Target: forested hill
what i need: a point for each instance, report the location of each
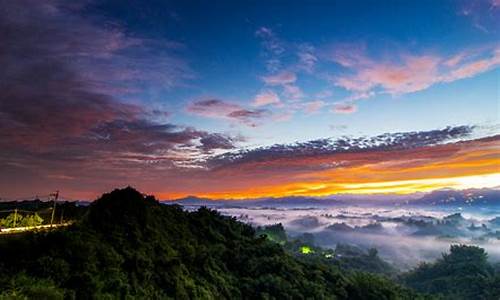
(130, 246)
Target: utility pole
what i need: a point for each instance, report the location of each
(55, 195)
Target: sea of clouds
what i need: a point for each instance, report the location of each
(404, 236)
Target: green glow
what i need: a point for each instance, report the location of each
(306, 250)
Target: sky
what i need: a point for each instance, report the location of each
(245, 99)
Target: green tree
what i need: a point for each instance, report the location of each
(463, 273)
(12, 220)
(31, 220)
(24, 287)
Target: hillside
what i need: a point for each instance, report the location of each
(130, 246)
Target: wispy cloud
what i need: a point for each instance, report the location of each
(307, 58)
(472, 68)
(293, 92)
(384, 142)
(219, 109)
(344, 108)
(62, 110)
(407, 73)
(314, 106)
(266, 97)
(284, 75)
(392, 162)
(483, 14)
(282, 78)
(273, 46)
(210, 142)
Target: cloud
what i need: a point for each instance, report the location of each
(404, 235)
(411, 75)
(269, 40)
(145, 139)
(314, 106)
(472, 68)
(62, 111)
(273, 47)
(293, 92)
(307, 58)
(266, 97)
(215, 108)
(53, 33)
(455, 60)
(63, 75)
(213, 141)
(407, 73)
(384, 142)
(344, 108)
(282, 78)
(324, 94)
(389, 163)
(349, 55)
(482, 14)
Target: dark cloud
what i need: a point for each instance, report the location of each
(387, 141)
(216, 141)
(141, 136)
(243, 113)
(63, 82)
(219, 109)
(345, 108)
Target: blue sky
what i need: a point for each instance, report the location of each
(227, 57)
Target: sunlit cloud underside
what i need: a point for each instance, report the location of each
(461, 165)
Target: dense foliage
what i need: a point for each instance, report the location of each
(463, 273)
(130, 246)
(346, 257)
(18, 220)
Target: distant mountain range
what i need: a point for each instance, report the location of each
(444, 197)
(263, 202)
(469, 197)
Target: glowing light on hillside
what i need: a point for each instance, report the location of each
(306, 250)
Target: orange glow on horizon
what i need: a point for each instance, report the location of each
(472, 164)
(389, 187)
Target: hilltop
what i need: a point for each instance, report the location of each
(129, 245)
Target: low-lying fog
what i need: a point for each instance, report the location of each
(403, 236)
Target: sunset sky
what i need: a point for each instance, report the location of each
(246, 99)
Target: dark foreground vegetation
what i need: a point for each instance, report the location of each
(130, 246)
(37, 212)
(463, 273)
(345, 257)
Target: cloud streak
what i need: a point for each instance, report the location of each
(344, 108)
(406, 73)
(388, 163)
(388, 141)
(266, 97)
(273, 47)
(219, 109)
(282, 78)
